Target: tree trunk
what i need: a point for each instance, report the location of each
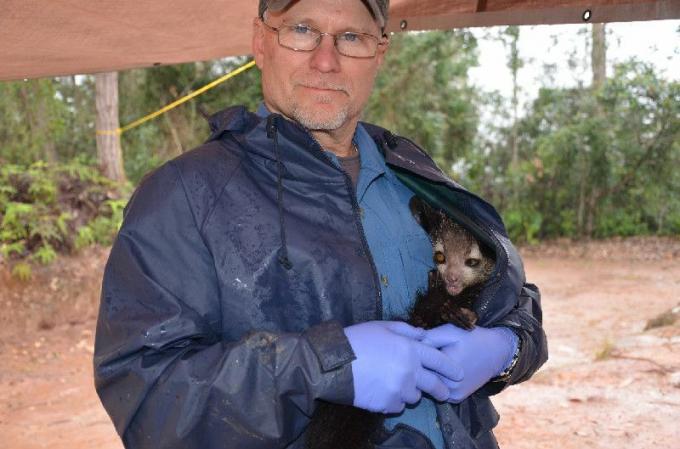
(592, 210)
(599, 56)
(108, 141)
(514, 63)
(598, 64)
(42, 118)
(580, 216)
(174, 134)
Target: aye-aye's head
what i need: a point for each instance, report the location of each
(460, 259)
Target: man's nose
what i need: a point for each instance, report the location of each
(325, 58)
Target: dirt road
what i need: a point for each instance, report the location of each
(609, 383)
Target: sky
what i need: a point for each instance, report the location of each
(657, 42)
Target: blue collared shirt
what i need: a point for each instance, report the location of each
(401, 251)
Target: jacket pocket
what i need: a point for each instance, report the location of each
(417, 259)
(479, 416)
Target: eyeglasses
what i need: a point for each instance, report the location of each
(305, 38)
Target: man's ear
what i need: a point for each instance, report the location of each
(382, 50)
(258, 42)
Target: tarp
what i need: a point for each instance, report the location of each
(40, 38)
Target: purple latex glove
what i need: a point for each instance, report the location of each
(393, 368)
(484, 353)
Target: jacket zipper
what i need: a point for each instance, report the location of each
(357, 219)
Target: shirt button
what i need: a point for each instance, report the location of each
(384, 280)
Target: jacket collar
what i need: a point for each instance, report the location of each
(372, 162)
(397, 152)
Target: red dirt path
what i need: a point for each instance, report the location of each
(597, 299)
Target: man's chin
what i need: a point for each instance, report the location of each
(322, 117)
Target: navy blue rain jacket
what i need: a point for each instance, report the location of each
(235, 270)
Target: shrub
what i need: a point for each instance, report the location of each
(46, 210)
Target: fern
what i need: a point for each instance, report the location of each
(85, 237)
(45, 228)
(48, 209)
(103, 230)
(22, 271)
(15, 222)
(62, 222)
(45, 254)
(15, 248)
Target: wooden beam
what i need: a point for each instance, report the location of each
(41, 38)
(602, 12)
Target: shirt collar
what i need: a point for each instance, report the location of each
(372, 163)
(262, 110)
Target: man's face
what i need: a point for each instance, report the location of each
(321, 89)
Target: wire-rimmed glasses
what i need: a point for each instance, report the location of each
(302, 37)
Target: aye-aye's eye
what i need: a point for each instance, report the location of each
(472, 262)
(439, 257)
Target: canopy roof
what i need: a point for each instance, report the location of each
(41, 38)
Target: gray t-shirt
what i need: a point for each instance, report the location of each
(351, 165)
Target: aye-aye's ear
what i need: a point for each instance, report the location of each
(425, 215)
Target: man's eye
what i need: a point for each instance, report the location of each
(472, 262)
(301, 29)
(351, 37)
(439, 257)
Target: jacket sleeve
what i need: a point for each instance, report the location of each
(163, 370)
(526, 320)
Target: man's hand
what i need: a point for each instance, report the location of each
(482, 352)
(393, 367)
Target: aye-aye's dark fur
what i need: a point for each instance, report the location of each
(336, 426)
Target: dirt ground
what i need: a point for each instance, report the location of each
(609, 383)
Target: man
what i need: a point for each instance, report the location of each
(269, 268)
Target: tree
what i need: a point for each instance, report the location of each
(31, 121)
(599, 55)
(598, 62)
(146, 90)
(108, 139)
(627, 135)
(423, 92)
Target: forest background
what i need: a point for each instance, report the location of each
(594, 160)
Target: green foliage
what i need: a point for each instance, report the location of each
(47, 119)
(146, 90)
(594, 163)
(44, 204)
(99, 230)
(16, 248)
(85, 237)
(524, 224)
(22, 271)
(422, 92)
(45, 254)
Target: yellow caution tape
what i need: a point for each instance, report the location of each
(174, 104)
